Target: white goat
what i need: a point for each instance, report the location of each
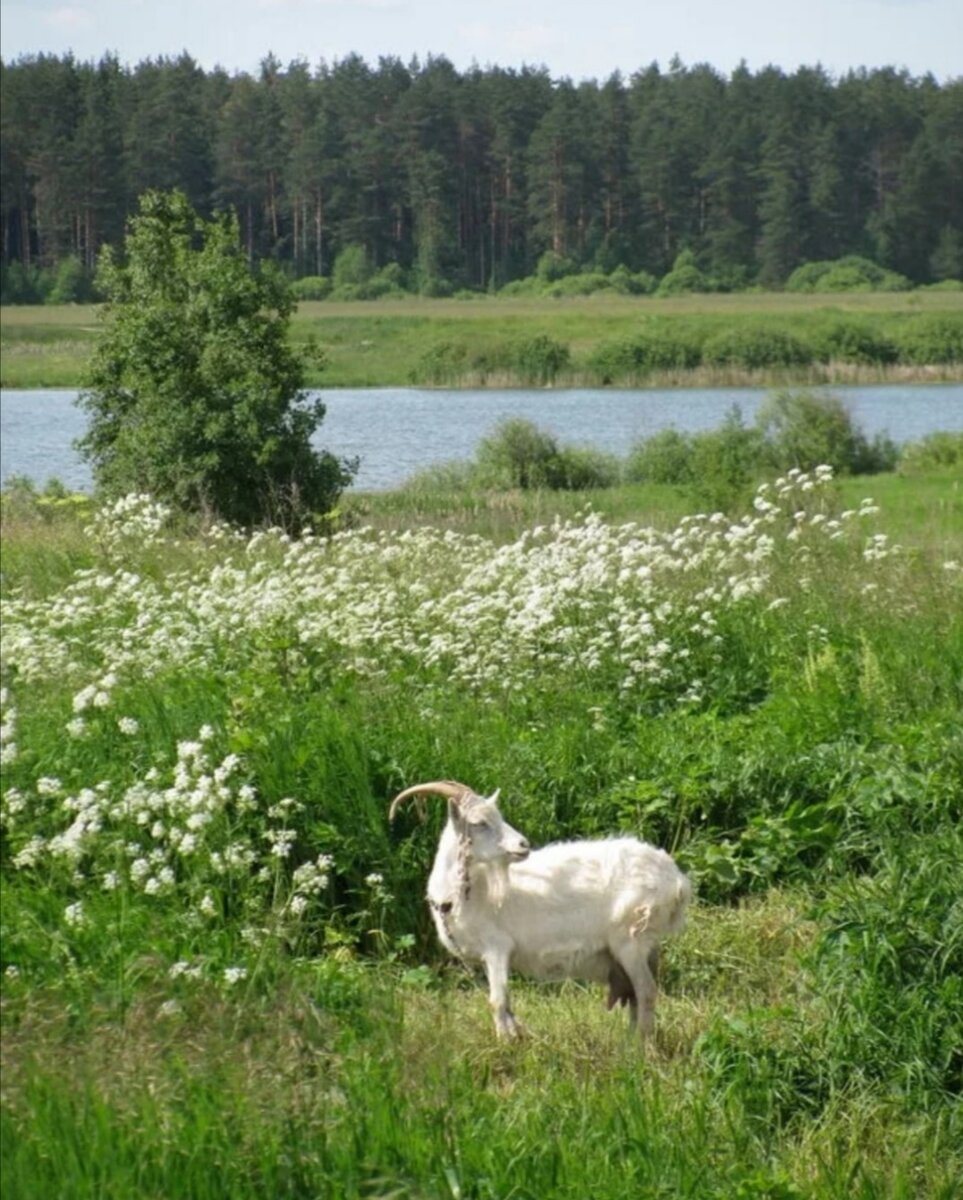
(592, 910)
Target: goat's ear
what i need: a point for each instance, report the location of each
(493, 798)
(455, 815)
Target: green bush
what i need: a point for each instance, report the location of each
(312, 287)
(442, 363)
(24, 285)
(685, 277)
(552, 267)
(352, 267)
(578, 468)
(935, 451)
(517, 454)
(851, 273)
(806, 278)
(755, 347)
(944, 285)
(808, 429)
(726, 463)
(71, 283)
(194, 393)
(580, 285)
(853, 341)
(529, 286)
(666, 457)
(930, 339)
(650, 350)
(391, 281)
(539, 359)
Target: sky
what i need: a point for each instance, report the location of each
(581, 39)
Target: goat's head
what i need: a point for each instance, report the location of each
(476, 819)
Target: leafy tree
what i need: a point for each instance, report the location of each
(193, 392)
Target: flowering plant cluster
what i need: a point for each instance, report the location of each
(636, 605)
(640, 616)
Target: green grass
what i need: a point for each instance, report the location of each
(348, 1082)
(809, 1021)
(385, 343)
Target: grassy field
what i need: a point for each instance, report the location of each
(396, 343)
(219, 978)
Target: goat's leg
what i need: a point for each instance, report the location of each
(496, 968)
(620, 986)
(638, 961)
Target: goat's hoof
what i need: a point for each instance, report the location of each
(510, 1029)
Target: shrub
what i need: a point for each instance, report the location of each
(808, 429)
(442, 363)
(851, 273)
(684, 277)
(529, 286)
(539, 359)
(71, 283)
(552, 267)
(650, 350)
(194, 392)
(666, 457)
(24, 285)
(725, 462)
(806, 278)
(944, 285)
(390, 281)
(755, 346)
(853, 341)
(935, 451)
(312, 287)
(517, 454)
(930, 339)
(580, 285)
(352, 267)
(577, 468)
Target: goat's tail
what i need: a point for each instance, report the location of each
(664, 913)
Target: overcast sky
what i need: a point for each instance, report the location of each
(578, 38)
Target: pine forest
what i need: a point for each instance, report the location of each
(421, 177)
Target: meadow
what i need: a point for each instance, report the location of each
(741, 338)
(219, 977)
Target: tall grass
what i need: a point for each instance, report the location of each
(219, 977)
(630, 340)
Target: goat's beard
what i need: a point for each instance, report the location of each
(497, 881)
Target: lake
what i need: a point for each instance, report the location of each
(396, 431)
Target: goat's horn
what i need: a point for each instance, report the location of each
(442, 787)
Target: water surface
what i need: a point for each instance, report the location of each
(397, 431)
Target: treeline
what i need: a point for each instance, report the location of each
(432, 180)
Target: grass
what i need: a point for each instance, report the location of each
(385, 343)
(204, 1037)
(385, 1089)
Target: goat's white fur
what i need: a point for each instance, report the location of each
(591, 910)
